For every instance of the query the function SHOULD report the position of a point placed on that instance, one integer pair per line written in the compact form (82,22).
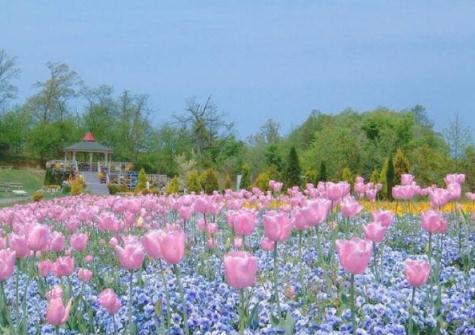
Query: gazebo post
(90,161)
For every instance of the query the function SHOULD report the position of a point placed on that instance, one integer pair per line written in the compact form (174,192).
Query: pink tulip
(318,211)
(267,244)
(240,269)
(45,268)
(108,222)
(55,293)
(211,243)
(354,254)
(277,226)
(88,259)
(38,237)
(417,272)
(57,313)
(131,256)
(56,242)
(79,241)
(455,191)
(433,222)
(172,245)
(454,178)
(185,212)
(238,242)
(212,228)
(385,218)
(151,243)
(19,244)
(470,196)
(374,232)
(244,222)
(7,263)
(109,301)
(350,207)
(407,179)
(84,275)
(63,266)
(438,197)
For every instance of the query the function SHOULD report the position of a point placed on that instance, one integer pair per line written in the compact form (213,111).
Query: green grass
(31,179)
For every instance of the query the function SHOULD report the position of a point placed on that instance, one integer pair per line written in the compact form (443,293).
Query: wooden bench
(51,188)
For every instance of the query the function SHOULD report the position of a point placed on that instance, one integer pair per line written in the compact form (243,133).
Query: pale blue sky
(258,59)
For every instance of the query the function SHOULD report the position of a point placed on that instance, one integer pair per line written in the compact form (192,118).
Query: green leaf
(254,317)
(158,308)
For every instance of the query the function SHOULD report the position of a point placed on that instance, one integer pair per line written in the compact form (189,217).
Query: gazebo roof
(88,144)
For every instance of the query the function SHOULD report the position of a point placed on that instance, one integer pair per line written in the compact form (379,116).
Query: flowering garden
(328,259)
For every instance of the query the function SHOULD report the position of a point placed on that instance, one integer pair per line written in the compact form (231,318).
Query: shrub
(141,182)
(262,180)
(193,183)
(77,186)
(172,187)
(209,181)
(38,196)
(117,188)
(346,175)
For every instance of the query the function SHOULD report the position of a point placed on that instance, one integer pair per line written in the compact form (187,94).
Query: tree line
(200,148)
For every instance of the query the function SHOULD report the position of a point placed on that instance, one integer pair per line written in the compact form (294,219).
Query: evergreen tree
(293,171)
(401,166)
(173,186)
(193,183)
(389,178)
(374,178)
(322,174)
(141,181)
(246,177)
(209,181)
(346,175)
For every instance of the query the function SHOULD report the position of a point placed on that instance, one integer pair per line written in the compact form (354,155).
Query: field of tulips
(318,260)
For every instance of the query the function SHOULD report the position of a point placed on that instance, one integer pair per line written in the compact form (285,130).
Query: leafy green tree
(44,141)
(273,158)
(401,166)
(293,171)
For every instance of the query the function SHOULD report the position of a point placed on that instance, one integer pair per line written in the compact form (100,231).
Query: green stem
(167,294)
(353,315)
(182,295)
(242,321)
(300,261)
(113,322)
(5,303)
(130,326)
(17,310)
(411,312)
(319,245)
(276,292)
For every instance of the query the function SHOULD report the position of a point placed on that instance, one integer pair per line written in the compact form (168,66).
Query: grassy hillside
(31,179)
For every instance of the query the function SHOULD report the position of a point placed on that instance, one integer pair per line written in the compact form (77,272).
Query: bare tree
(51,102)
(458,138)
(206,127)
(8,71)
